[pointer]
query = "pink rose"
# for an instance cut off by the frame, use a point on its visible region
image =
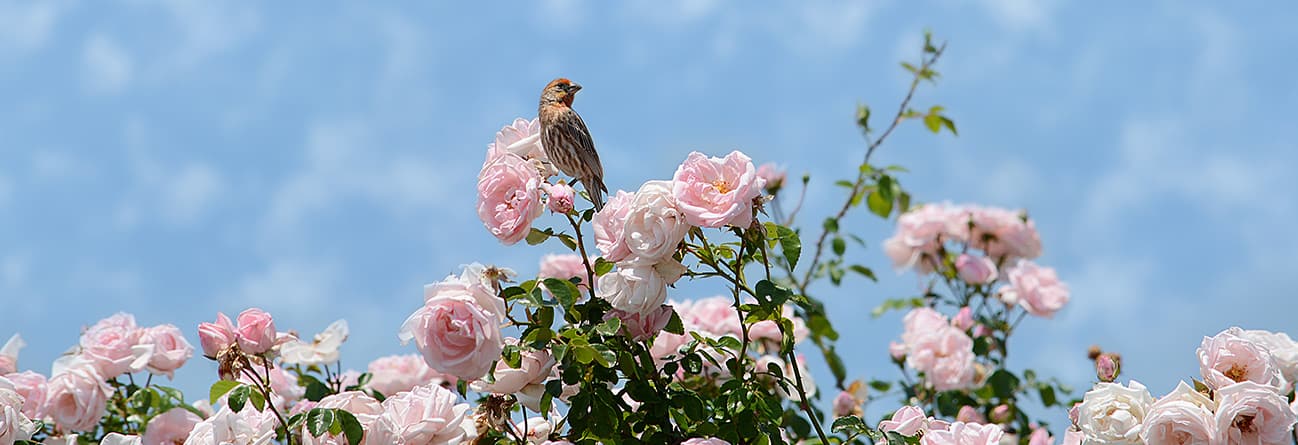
(667, 345)
(171, 427)
(715, 316)
(120, 439)
(921, 321)
(1282, 348)
(969, 414)
(396, 373)
(14, 425)
(920, 233)
(1184, 416)
(32, 387)
(975, 270)
(509, 198)
(1037, 289)
(642, 326)
(964, 319)
(257, 333)
(639, 288)
(534, 367)
(770, 331)
(1106, 368)
(1113, 413)
(560, 197)
(960, 433)
(1248, 412)
(907, 421)
(227, 427)
(170, 349)
(425, 414)
(366, 409)
(847, 404)
(1001, 414)
(521, 138)
(897, 350)
(1040, 436)
(1009, 234)
(654, 225)
(717, 192)
(476, 282)
(113, 344)
(609, 226)
(773, 176)
(77, 397)
(1073, 437)
(455, 335)
(564, 267)
(945, 357)
(705, 441)
(9, 354)
(1228, 357)
(215, 337)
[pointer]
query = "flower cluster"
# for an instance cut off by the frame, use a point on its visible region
(1243, 397)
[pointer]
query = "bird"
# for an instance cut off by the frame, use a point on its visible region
(567, 141)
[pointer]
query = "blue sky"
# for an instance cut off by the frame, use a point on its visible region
(318, 159)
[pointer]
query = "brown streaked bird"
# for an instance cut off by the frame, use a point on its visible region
(566, 140)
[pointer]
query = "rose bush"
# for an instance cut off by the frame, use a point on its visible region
(598, 346)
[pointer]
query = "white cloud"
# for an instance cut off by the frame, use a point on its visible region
(341, 164)
(49, 165)
(189, 192)
(178, 193)
(27, 25)
(1019, 14)
(106, 67)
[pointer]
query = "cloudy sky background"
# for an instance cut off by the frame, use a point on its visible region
(175, 159)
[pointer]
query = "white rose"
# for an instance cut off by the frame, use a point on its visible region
(322, 350)
(534, 367)
(121, 439)
(639, 288)
(654, 226)
(1283, 349)
(1112, 413)
(247, 427)
(14, 426)
(1184, 414)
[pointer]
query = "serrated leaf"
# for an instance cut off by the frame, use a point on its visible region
(563, 290)
(351, 428)
(675, 325)
(319, 421)
(849, 425)
(602, 266)
(238, 398)
(791, 245)
(219, 389)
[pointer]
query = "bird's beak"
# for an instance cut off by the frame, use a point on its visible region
(573, 88)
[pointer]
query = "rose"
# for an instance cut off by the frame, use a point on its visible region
(773, 176)
(642, 326)
(521, 138)
(534, 367)
(560, 197)
(715, 316)
(256, 331)
(1073, 437)
(667, 345)
(1282, 348)
(1249, 412)
(322, 350)
(170, 349)
(1001, 414)
(705, 441)
(215, 337)
(717, 192)
(455, 335)
(1183, 416)
(14, 425)
(1106, 368)
(770, 331)
(1037, 289)
(564, 267)
(32, 387)
(654, 225)
(477, 282)
(847, 404)
(9, 354)
(396, 373)
(113, 345)
(945, 356)
(425, 414)
(171, 427)
(1229, 357)
(1113, 413)
(960, 433)
(610, 224)
(907, 421)
(1003, 234)
(975, 270)
(120, 439)
(509, 198)
(920, 233)
(639, 288)
(247, 427)
(897, 351)
(969, 414)
(963, 320)
(77, 396)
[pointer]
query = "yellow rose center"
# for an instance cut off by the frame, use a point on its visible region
(721, 186)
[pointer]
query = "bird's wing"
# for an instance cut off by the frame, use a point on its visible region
(586, 146)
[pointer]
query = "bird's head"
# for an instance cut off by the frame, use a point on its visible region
(560, 90)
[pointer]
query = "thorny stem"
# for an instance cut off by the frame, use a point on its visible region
(797, 374)
(264, 387)
(585, 259)
(858, 187)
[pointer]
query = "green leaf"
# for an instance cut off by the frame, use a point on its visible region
(839, 245)
(1048, 397)
(257, 399)
(864, 271)
(849, 425)
(609, 327)
(831, 225)
(319, 421)
(219, 389)
(675, 325)
(238, 397)
(315, 389)
(950, 125)
(863, 117)
(351, 427)
(563, 290)
(568, 240)
(879, 205)
(536, 236)
(602, 266)
(1003, 383)
(772, 296)
(880, 385)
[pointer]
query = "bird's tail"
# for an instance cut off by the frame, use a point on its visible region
(596, 188)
